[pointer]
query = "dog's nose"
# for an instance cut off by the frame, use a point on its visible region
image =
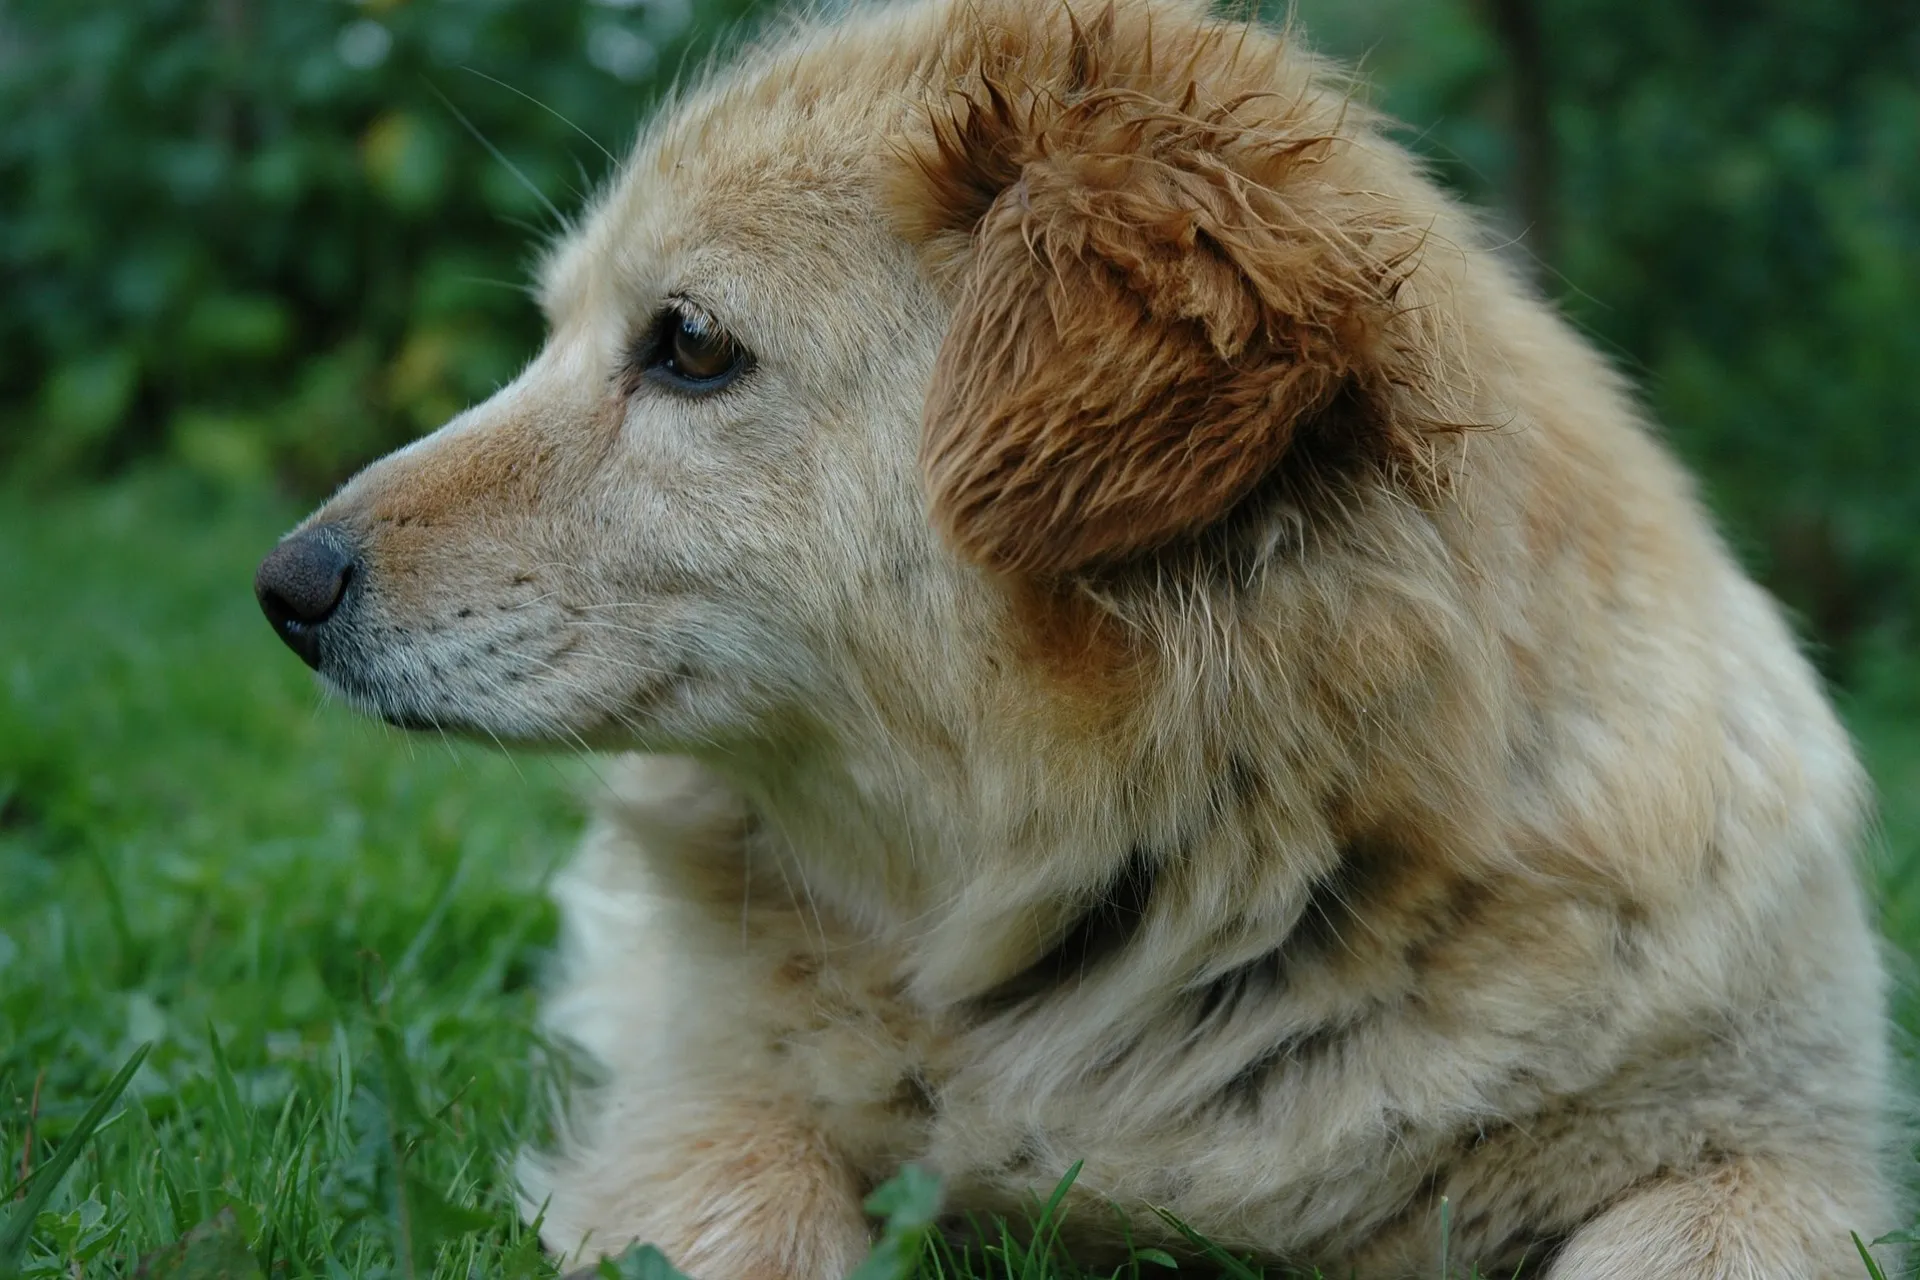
(300, 584)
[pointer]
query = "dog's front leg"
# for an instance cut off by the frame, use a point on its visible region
(1781, 1218)
(729, 1188)
(679, 985)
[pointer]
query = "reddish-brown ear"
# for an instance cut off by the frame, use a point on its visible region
(1160, 287)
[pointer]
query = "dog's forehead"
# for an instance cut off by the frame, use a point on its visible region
(773, 160)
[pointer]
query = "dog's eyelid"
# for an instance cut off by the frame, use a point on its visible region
(692, 313)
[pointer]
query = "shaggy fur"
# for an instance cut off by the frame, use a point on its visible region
(1168, 657)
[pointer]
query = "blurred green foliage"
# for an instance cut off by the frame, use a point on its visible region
(1727, 195)
(266, 235)
(275, 237)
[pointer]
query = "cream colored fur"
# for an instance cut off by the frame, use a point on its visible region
(1441, 820)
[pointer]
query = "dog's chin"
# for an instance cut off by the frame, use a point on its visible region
(405, 710)
(423, 708)
(416, 721)
(517, 730)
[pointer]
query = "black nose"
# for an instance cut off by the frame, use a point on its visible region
(300, 584)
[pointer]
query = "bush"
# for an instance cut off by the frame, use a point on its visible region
(1727, 197)
(272, 235)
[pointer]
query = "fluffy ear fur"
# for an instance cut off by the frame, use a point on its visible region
(1164, 282)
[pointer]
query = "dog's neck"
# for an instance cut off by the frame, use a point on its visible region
(978, 865)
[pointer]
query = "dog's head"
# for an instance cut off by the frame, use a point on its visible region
(895, 363)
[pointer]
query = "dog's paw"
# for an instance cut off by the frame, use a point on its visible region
(742, 1258)
(743, 1192)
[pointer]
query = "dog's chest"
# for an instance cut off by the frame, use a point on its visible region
(891, 1083)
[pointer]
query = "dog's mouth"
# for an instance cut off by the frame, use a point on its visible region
(383, 680)
(499, 672)
(412, 683)
(376, 698)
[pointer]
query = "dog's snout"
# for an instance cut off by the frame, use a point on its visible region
(300, 585)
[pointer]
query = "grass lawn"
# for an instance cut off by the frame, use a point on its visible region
(328, 933)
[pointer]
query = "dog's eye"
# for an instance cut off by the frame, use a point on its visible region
(691, 352)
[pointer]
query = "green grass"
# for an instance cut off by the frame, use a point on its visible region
(328, 934)
(196, 854)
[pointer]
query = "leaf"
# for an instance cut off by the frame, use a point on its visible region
(13, 1237)
(911, 1198)
(214, 1250)
(910, 1201)
(639, 1262)
(432, 1220)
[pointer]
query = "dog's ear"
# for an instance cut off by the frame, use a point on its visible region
(1161, 286)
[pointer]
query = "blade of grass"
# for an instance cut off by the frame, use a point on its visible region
(1873, 1267)
(1230, 1267)
(13, 1237)
(1046, 1227)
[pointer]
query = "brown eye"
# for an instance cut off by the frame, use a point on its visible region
(691, 352)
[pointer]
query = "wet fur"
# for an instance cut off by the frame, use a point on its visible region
(1172, 659)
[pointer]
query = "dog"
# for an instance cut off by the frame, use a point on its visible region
(1154, 649)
